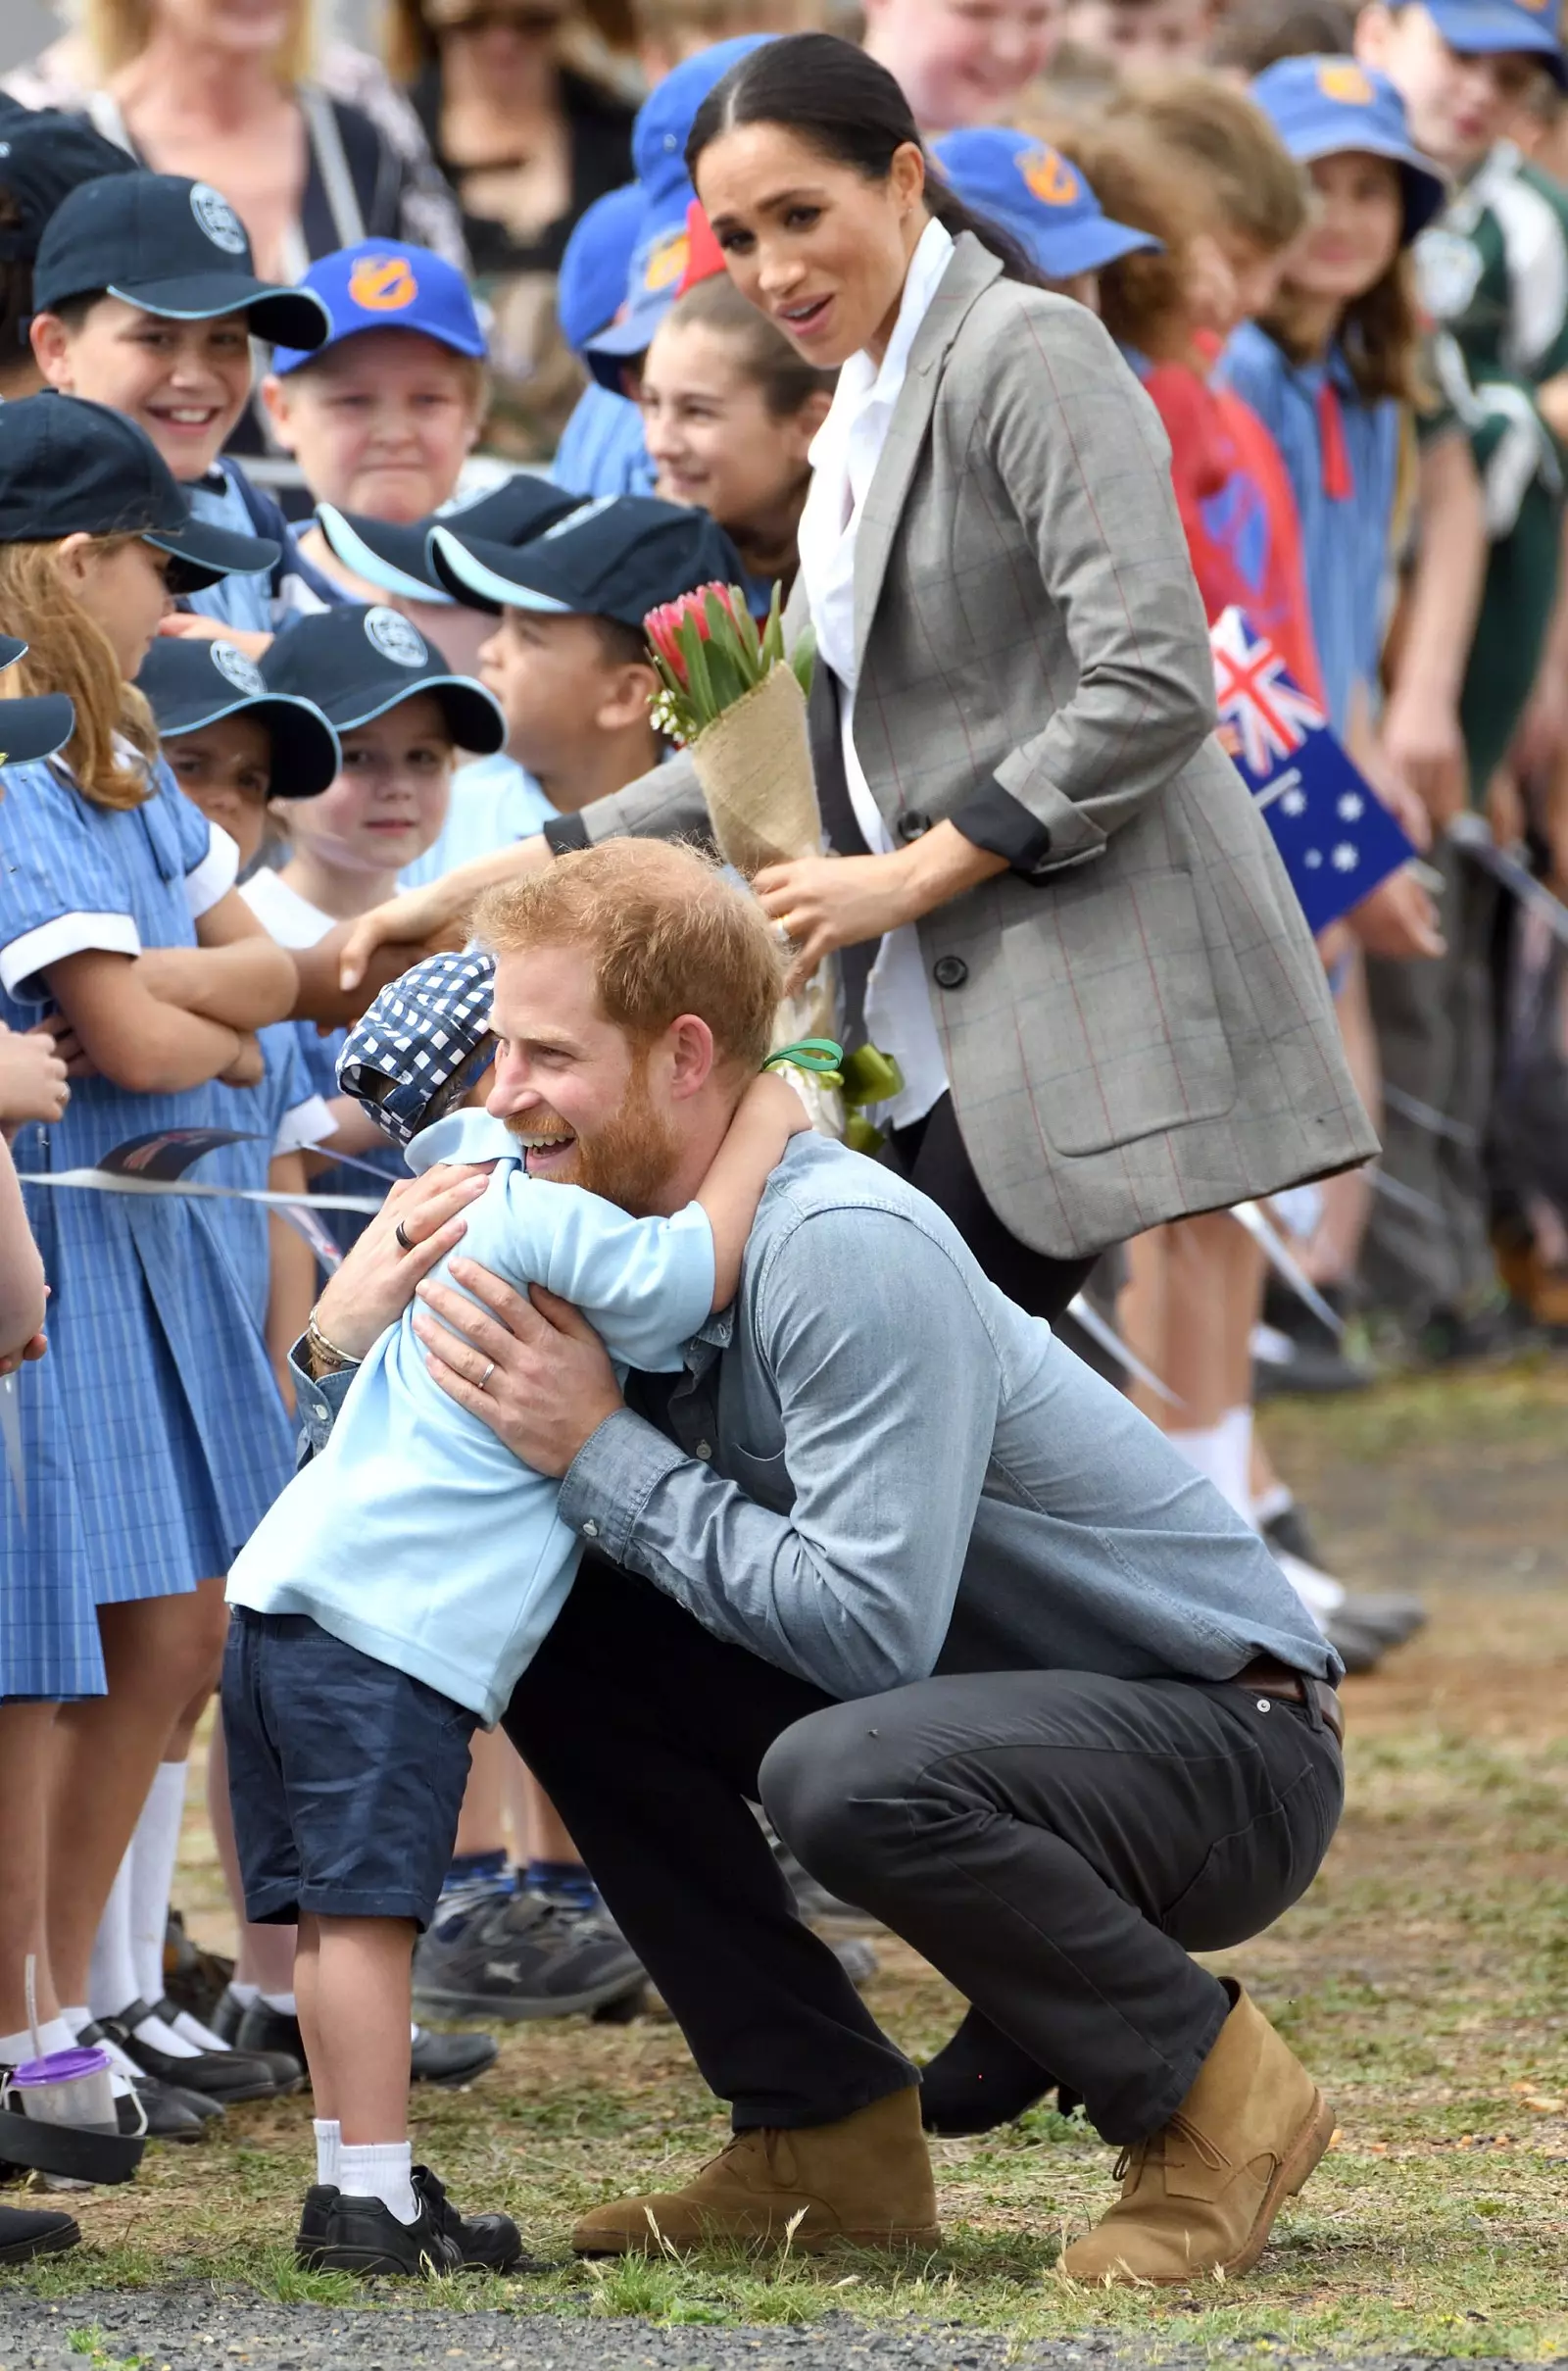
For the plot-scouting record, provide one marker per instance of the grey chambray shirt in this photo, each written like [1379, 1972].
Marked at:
[880, 1468]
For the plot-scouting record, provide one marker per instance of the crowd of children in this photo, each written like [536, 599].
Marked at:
[1322, 245]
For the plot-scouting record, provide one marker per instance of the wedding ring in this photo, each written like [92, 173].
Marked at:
[401, 1234]
[488, 1372]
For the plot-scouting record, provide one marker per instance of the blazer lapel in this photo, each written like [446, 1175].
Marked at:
[972, 269]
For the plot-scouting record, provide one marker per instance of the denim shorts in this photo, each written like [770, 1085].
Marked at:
[346, 1775]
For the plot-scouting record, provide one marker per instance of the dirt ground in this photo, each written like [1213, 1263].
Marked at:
[1425, 1978]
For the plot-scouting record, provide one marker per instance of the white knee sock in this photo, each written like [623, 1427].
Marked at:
[153, 1851]
[328, 2146]
[380, 2171]
[112, 1972]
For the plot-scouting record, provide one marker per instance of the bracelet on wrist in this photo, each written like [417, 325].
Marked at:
[326, 1358]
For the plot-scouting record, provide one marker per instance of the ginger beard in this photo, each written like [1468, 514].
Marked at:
[627, 1160]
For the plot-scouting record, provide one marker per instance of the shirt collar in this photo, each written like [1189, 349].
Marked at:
[861, 379]
[467, 1135]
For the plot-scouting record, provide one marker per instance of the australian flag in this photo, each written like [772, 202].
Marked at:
[1337, 837]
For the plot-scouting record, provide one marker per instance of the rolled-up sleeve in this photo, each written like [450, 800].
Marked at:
[887, 1384]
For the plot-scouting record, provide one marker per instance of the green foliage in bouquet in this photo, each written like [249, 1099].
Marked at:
[710, 654]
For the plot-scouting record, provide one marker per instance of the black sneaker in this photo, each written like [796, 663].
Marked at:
[223, 2075]
[25, 2234]
[315, 2217]
[518, 1954]
[485, 2243]
[360, 2235]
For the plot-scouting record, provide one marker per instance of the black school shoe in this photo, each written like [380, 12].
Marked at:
[446, 2059]
[222, 2075]
[24, 2235]
[285, 2070]
[339, 2234]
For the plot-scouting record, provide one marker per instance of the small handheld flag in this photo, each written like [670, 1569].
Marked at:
[1336, 838]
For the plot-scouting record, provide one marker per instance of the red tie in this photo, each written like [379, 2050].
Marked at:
[1338, 483]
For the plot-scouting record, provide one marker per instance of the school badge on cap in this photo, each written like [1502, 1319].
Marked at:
[1342, 80]
[395, 638]
[218, 218]
[1047, 176]
[383, 283]
[235, 668]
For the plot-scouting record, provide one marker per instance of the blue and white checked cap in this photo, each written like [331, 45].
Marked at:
[422, 1043]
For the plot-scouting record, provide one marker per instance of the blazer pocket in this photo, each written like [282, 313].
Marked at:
[1119, 1019]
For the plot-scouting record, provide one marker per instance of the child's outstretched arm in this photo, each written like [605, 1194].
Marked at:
[768, 1114]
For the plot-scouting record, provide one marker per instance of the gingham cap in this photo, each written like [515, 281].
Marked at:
[428, 1034]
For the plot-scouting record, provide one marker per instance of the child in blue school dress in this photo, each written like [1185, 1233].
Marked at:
[117, 915]
[1331, 370]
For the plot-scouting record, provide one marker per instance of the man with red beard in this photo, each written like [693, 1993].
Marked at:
[887, 1558]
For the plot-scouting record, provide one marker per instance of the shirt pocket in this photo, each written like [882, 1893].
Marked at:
[1119, 1018]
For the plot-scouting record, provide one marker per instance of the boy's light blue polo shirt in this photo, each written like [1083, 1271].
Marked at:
[415, 1536]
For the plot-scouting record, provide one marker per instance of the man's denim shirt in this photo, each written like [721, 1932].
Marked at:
[879, 1467]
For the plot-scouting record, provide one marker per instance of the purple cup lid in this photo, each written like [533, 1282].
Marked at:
[61, 2066]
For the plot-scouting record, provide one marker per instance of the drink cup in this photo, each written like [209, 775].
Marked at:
[67, 2087]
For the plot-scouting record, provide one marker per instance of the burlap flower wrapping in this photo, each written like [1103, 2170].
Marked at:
[754, 763]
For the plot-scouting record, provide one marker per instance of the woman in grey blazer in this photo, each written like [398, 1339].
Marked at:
[1053, 896]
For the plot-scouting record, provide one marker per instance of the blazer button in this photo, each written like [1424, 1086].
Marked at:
[912, 824]
[950, 971]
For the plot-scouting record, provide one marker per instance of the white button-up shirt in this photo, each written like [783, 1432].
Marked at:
[844, 457]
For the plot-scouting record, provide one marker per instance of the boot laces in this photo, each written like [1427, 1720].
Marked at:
[1133, 2159]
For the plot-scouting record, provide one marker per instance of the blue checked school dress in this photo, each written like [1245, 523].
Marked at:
[159, 1390]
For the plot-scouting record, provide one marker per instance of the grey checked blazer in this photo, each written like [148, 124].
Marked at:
[1135, 1019]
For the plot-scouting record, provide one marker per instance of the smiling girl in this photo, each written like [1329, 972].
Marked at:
[729, 411]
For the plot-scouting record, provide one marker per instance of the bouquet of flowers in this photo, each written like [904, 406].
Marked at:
[737, 701]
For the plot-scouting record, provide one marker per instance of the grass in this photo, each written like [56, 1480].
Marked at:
[1424, 1978]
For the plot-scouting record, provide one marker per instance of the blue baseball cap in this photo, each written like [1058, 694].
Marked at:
[32, 727]
[170, 246]
[1483, 29]
[386, 284]
[657, 265]
[620, 557]
[594, 267]
[396, 557]
[1031, 190]
[1331, 107]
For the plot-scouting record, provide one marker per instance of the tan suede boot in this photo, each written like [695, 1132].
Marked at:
[864, 2182]
[1200, 2195]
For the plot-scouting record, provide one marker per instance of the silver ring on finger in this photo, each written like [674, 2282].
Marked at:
[490, 1368]
[401, 1233]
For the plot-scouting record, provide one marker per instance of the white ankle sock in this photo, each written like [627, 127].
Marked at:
[328, 2144]
[123, 2071]
[153, 1851]
[200, 2037]
[381, 2171]
[1236, 1479]
[1211, 1449]
[283, 2002]
[54, 2034]
[244, 1994]
[1274, 1502]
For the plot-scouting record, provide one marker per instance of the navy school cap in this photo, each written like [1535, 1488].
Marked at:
[354, 664]
[32, 727]
[69, 466]
[190, 683]
[396, 557]
[418, 1048]
[172, 247]
[43, 158]
[619, 557]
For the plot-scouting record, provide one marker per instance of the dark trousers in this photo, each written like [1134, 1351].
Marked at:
[934, 1158]
[1054, 1842]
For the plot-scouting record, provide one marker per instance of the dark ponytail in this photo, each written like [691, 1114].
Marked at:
[849, 109]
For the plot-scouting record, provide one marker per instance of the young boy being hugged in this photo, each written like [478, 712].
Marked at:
[146, 300]
[362, 1656]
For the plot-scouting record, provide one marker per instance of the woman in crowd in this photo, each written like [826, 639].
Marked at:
[313, 154]
[519, 102]
[729, 411]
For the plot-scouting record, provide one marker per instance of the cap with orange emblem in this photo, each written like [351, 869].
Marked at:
[386, 284]
[1031, 190]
